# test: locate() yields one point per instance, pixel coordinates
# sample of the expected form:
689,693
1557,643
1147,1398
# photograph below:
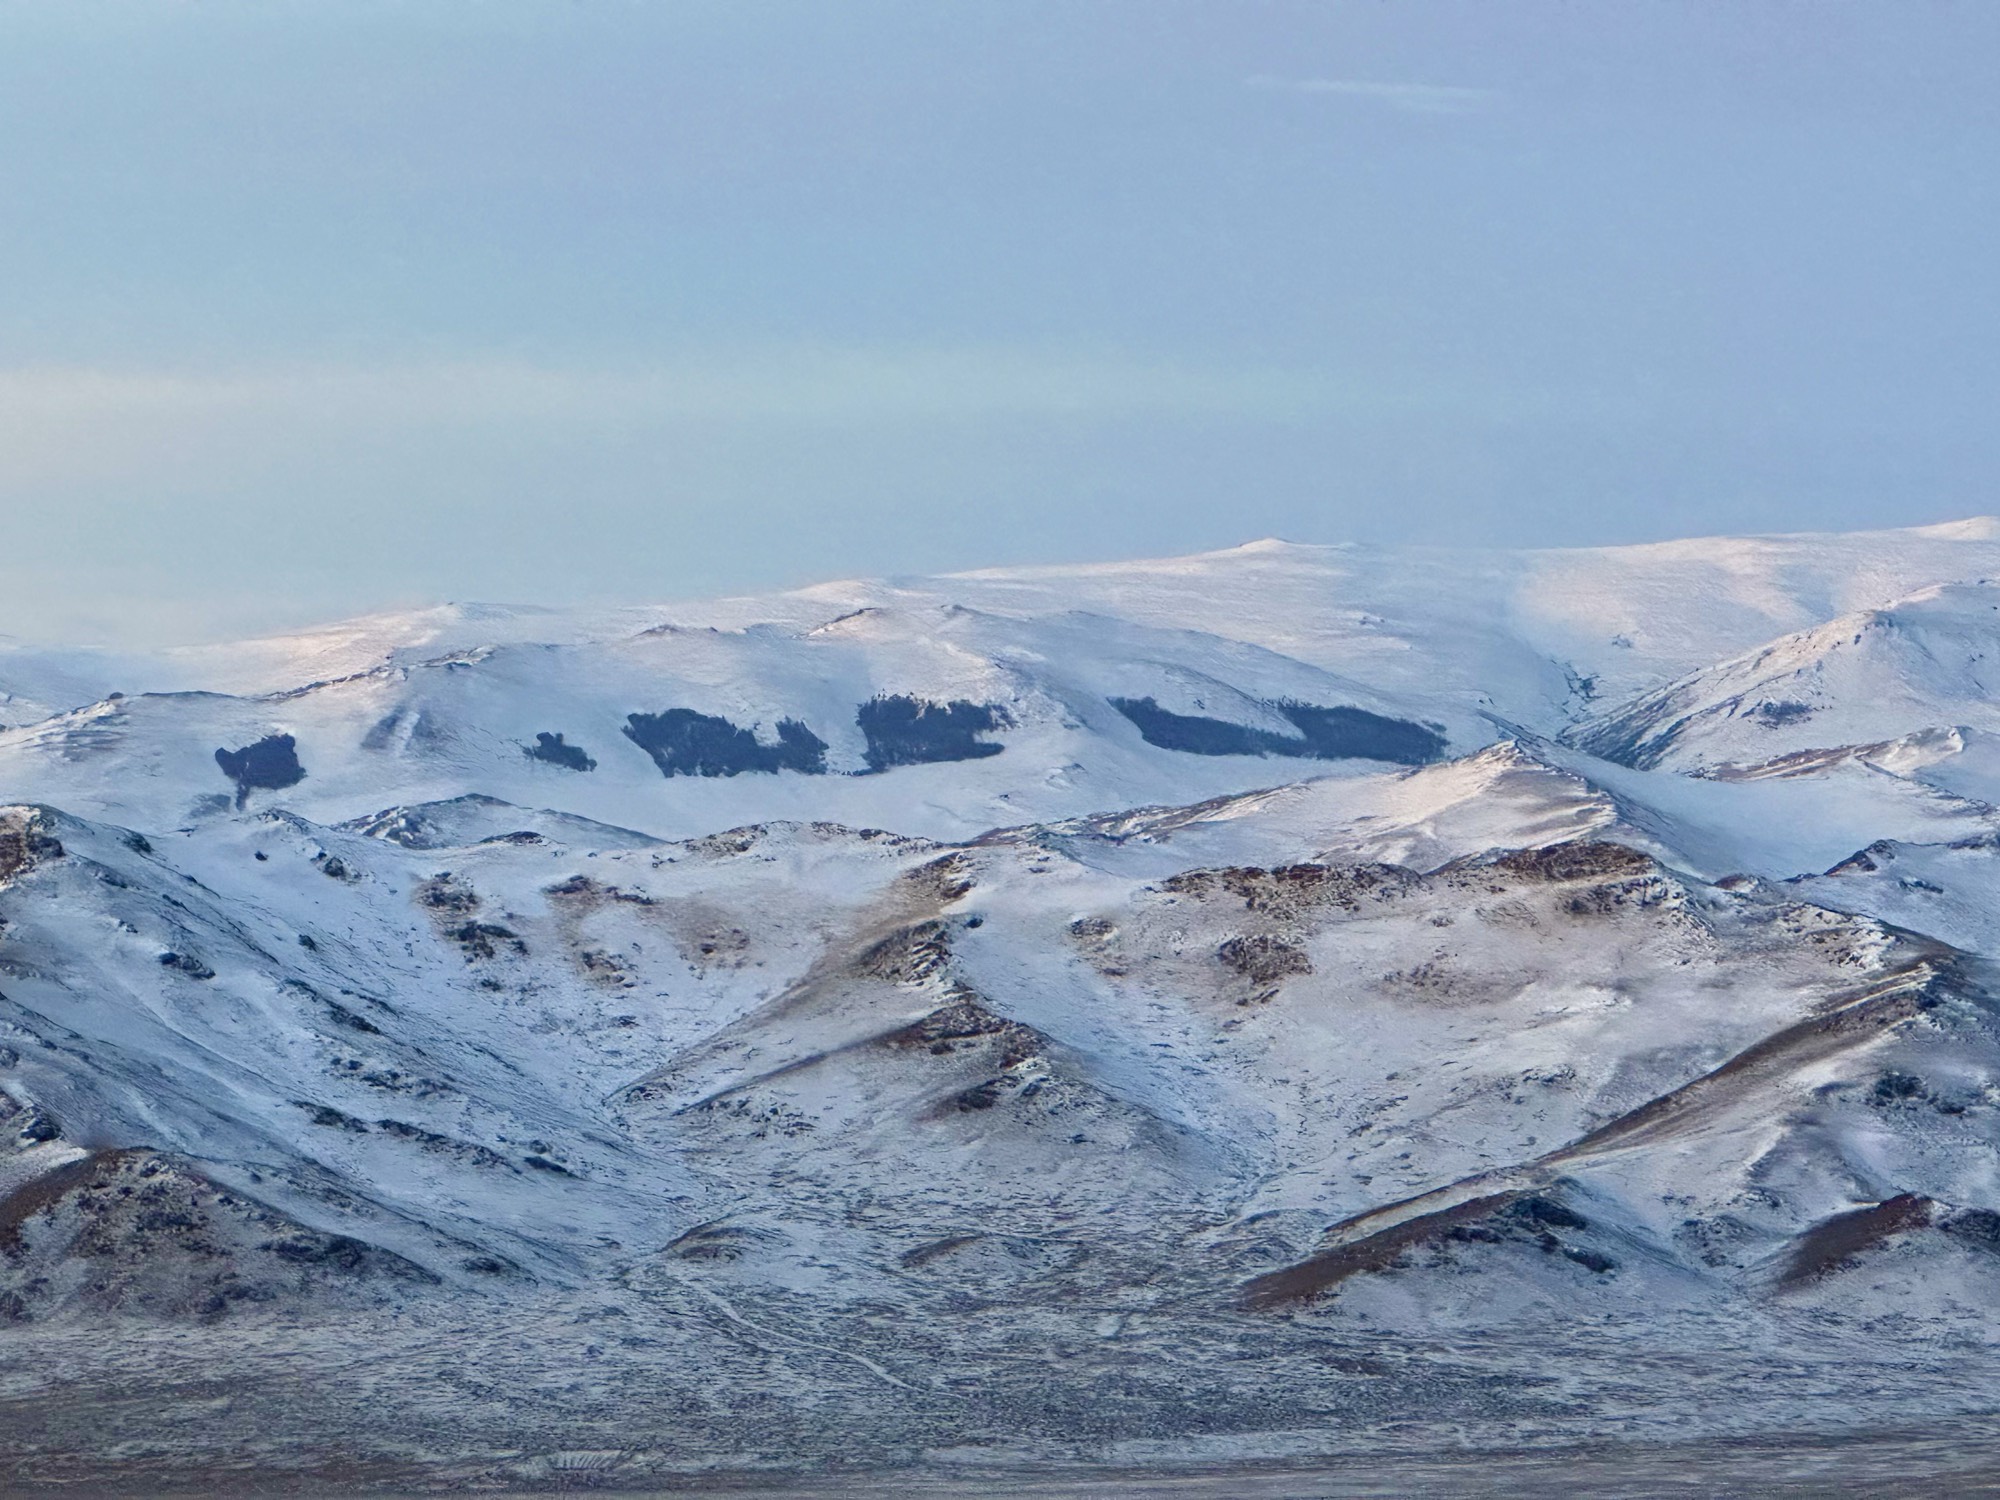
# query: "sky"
311,309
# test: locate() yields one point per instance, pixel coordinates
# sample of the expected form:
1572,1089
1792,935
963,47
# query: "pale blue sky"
307,309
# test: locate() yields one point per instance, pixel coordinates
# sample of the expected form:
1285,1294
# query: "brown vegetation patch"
719,1241
448,896
909,955
945,880
1856,1018
606,968
25,842
1602,900
1321,1273
720,945
727,844
1263,958
923,1255
1560,863
1289,889
581,890
486,939
451,904
1832,1244
50,1189
963,1023
1895,1001
140,1232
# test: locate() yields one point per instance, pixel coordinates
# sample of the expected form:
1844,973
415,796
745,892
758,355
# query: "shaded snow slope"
1896,686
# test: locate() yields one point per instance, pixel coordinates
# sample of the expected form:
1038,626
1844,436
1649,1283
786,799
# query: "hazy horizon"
318,312
1971,528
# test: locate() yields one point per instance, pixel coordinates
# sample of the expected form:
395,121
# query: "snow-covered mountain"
1256,1003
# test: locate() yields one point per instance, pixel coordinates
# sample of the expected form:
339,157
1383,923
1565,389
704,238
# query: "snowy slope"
1056,1008
1890,684
435,704
441,727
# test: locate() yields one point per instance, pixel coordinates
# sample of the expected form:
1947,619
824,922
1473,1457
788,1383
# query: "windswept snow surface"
493,1045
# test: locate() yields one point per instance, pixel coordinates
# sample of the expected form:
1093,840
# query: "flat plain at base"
1908,1463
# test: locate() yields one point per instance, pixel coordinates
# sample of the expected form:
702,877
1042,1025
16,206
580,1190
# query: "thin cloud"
1413,98
69,425
62,427
813,383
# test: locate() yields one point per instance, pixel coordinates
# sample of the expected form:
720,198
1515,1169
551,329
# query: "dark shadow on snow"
271,763
1324,734
685,743
906,731
550,747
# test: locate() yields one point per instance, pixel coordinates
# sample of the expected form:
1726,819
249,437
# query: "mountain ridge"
1123,1004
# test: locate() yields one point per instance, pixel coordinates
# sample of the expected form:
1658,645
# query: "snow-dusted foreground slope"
1261,1004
